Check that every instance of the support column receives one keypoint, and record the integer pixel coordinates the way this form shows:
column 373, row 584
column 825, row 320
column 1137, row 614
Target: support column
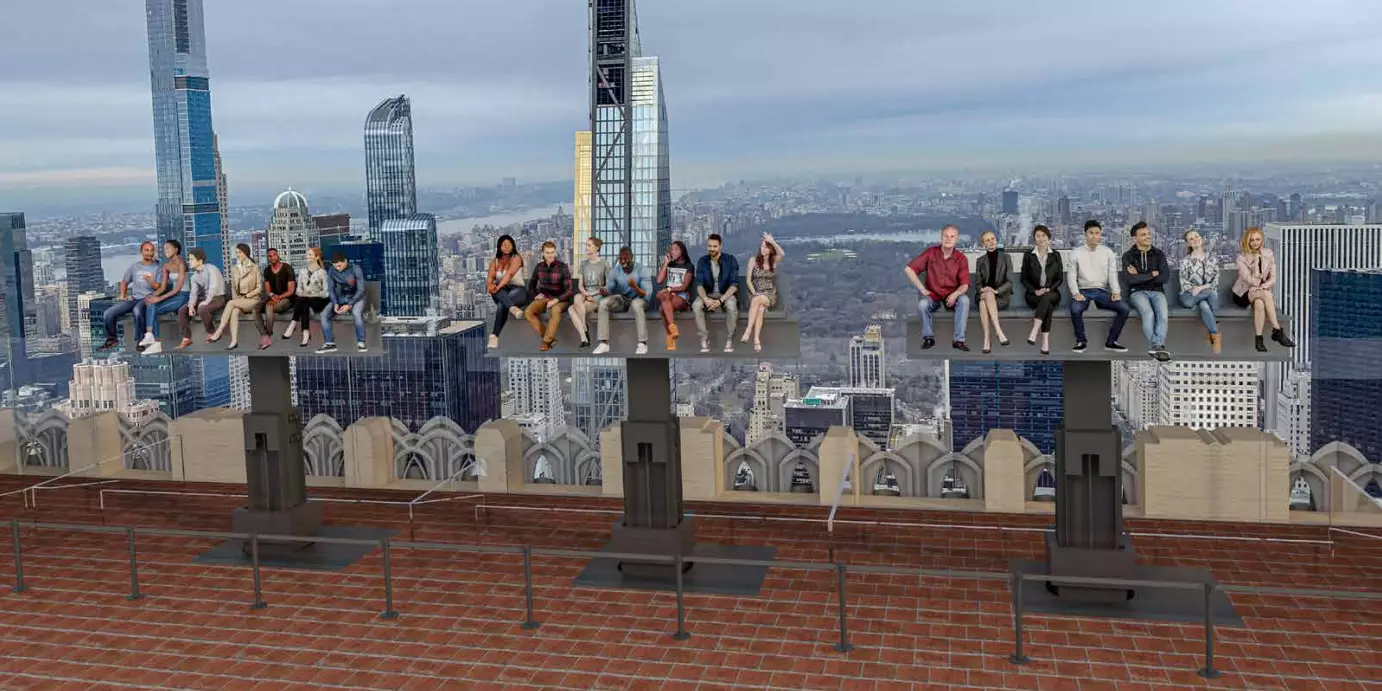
column 1089, row 538
column 654, row 517
column 274, row 470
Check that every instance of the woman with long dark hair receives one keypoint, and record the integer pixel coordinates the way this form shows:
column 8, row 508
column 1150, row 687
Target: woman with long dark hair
column 505, row 283
column 675, row 296
column 246, row 285
column 169, row 296
column 762, row 287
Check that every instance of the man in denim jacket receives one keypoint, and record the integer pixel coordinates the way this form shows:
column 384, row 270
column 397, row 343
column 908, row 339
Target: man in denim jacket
column 717, row 282
column 345, row 287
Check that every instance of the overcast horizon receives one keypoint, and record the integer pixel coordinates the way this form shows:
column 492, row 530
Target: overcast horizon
column 752, row 91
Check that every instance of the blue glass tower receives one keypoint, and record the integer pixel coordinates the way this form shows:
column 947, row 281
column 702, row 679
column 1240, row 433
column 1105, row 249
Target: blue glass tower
column 1024, row 397
column 429, row 369
column 410, row 265
column 1346, row 375
column 184, row 143
column 390, row 180
column 368, row 255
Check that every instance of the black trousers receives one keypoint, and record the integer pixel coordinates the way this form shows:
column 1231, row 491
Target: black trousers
column 303, row 309
column 506, row 297
column 1044, row 306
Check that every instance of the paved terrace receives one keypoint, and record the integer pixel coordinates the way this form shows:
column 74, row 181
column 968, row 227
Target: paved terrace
column 460, row 615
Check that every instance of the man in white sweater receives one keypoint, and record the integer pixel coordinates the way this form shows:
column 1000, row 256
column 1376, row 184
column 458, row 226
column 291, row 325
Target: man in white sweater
column 1092, row 278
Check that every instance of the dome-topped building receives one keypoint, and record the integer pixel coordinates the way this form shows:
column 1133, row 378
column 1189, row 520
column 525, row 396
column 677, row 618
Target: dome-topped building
column 292, row 231
column 291, row 199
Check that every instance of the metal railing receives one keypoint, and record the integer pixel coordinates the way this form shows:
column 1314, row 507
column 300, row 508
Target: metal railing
column 677, row 562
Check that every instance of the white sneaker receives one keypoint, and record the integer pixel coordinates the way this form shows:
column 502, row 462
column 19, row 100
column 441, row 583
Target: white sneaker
column 148, row 339
column 361, row 346
column 493, row 342
column 600, row 349
column 729, row 346
column 517, row 313
column 705, row 345
column 154, row 349
column 642, row 349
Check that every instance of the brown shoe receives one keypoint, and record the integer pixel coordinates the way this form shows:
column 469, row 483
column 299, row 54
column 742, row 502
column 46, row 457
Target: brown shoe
column 186, row 342
column 1217, row 342
column 671, row 342
column 673, row 331
column 546, row 345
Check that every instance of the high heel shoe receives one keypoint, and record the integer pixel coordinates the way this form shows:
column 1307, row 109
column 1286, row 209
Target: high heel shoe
column 1004, row 342
column 757, row 347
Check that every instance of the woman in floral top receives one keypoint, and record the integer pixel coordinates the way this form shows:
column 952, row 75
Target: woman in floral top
column 1199, row 285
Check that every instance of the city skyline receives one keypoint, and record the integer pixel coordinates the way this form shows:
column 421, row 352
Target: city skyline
column 1211, row 90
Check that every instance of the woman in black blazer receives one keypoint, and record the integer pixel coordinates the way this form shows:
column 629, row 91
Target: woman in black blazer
column 1042, row 275
column 995, row 286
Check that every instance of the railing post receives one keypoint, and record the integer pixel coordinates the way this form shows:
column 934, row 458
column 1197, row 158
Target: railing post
column 681, row 633
column 389, row 612
column 18, row 557
column 254, row 565
column 134, row 566
column 530, row 623
column 844, row 645
column 1209, row 672
column 1017, row 657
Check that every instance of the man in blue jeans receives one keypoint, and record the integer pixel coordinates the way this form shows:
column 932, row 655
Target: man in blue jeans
column 138, row 283
column 941, row 276
column 345, row 287
column 1092, row 278
column 1146, row 270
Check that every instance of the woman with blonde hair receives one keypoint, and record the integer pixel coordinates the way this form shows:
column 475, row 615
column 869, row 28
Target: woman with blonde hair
column 312, row 296
column 995, row 287
column 1253, row 288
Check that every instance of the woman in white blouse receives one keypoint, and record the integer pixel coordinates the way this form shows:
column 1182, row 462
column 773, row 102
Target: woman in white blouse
column 311, row 294
column 1199, row 285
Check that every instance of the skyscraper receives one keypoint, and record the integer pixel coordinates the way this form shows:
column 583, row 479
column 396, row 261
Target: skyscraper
column 410, row 265
column 331, row 225
column 866, row 361
column 431, row 368
column 184, row 142
column 1025, row 397
column 291, row 230
column 1010, row 202
column 1208, row 395
column 18, row 277
column 390, row 180
column 1301, row 248
column 1346, row 382
column 630, row 179
column 82, row 258
column 770, row 395
column 535, row 387
column 580, row 220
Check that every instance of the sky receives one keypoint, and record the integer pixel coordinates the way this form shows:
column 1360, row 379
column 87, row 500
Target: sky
column 753, row 87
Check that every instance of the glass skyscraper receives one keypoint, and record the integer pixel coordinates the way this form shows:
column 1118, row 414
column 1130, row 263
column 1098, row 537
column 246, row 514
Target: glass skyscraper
column 390, row 181
column 82, row 258
column 1346, row 381
column 1025, row 397
column 410, row 264
column 184, row 143
column 430, row 369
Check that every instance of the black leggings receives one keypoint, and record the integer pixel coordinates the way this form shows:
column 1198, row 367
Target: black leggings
column 1044, row 305
column 304, row 307
column 506, row 297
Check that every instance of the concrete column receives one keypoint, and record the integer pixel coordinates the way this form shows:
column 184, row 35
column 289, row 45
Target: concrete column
column 1004, row 482
column 203, row 441
column 702, row 458
column 611, row 460
column 95, row 441
column 368, row 449
column 839, row 447
column 500, row 444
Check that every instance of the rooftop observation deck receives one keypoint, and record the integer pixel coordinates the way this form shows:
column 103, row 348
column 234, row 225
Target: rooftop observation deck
column 1186, row 333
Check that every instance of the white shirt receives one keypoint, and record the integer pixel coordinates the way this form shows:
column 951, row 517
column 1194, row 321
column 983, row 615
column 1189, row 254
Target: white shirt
column 1093, row 269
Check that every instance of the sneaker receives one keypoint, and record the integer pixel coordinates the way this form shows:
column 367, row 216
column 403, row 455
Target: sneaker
column 148, row 339
column 154, row 349
column 517, row 313
column 600, row 349
column 1115, row 346
column 327, row 348
column 360, row 346
column 928, row 343
column 110, row 343
column 642, row 349
column 493, row 342
column 1162, row 355
column 1079, row 347
column 705, row 344
column 960, row 345
column 729, row 345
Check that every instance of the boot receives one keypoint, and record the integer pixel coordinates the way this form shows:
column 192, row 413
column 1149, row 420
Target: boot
column 1216, row 342
column 1261, row 347
column 1279, row 336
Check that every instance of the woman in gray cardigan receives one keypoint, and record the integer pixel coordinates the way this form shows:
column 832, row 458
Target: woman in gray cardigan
column 995, row 287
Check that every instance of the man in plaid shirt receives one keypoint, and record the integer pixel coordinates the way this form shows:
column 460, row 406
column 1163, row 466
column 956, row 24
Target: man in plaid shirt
column 551, row 288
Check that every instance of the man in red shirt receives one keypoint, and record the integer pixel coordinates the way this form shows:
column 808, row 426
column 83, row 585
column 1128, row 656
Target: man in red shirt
column 945, row 282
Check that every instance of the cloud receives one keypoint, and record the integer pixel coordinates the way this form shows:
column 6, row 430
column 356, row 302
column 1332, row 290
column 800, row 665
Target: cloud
column 498, row 88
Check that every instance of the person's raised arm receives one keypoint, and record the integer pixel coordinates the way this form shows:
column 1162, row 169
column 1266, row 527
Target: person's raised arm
column 781, row 253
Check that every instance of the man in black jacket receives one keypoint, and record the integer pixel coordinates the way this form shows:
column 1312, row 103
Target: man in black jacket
column 1146, row 271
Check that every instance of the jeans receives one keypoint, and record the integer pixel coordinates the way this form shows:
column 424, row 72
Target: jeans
column 505, row 298
column 357, row 313
column 116, row 312
column 926, row 306
column 1151, row 308
column 169, row 304
column 1101, row 299
column 1206, row 304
